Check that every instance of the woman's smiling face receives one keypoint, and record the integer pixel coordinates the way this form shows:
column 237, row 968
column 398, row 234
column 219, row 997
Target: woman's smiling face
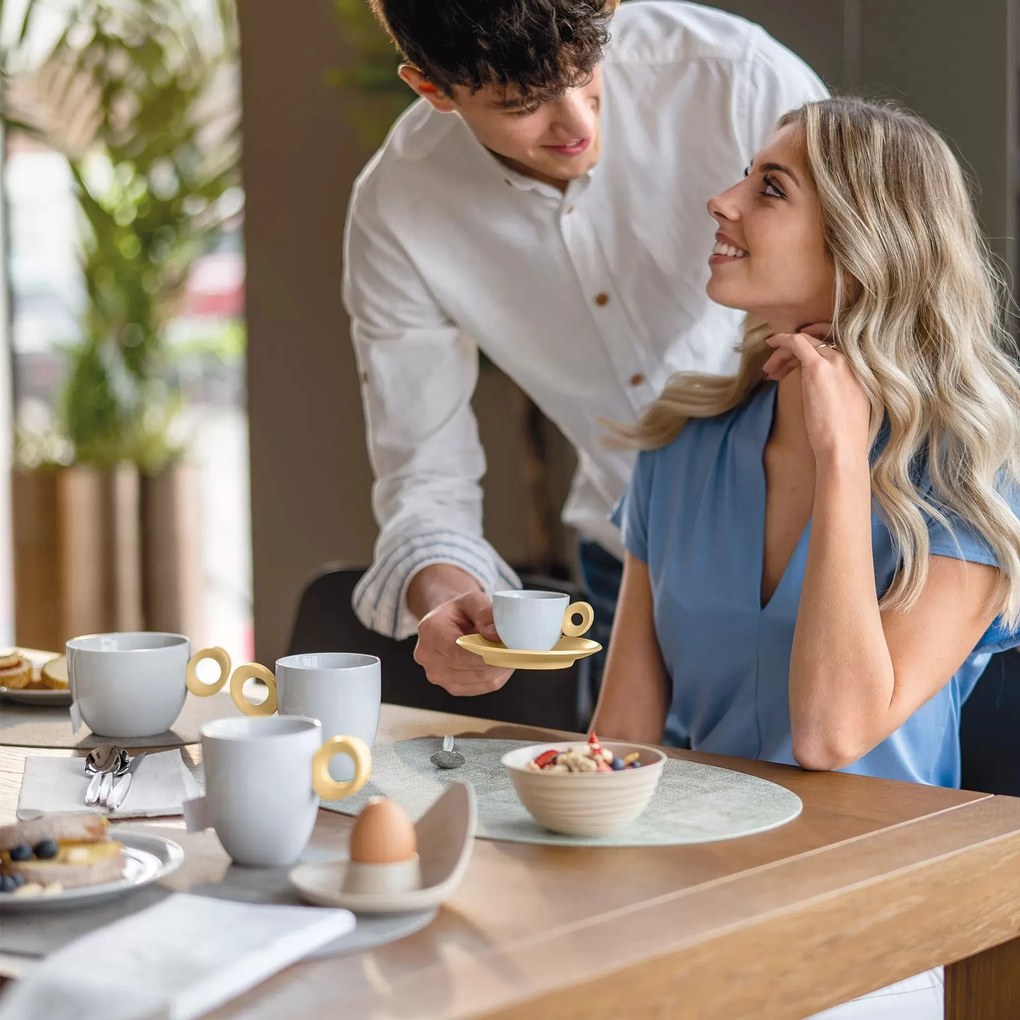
column 770, row 256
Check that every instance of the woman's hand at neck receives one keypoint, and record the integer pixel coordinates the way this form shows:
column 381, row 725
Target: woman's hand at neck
column 820, row 395
column 789, row 430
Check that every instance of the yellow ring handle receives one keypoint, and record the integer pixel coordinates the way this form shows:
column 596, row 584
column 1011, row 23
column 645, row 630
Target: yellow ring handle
column 324, row 784
column 237, row 681
column 572, row 629
column 199, row 687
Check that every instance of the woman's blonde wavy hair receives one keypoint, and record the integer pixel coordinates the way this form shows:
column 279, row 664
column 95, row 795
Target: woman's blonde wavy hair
column 918, row 315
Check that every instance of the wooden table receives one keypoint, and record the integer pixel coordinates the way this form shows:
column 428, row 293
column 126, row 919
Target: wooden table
column 875, row 881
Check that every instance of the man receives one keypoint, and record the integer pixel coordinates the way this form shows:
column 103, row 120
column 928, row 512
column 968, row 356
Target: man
column 544, row 202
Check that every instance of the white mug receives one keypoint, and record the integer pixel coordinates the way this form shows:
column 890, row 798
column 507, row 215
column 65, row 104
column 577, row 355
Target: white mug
column 263, row 781
column 536, row 620
column 343, row 690
column 133, row 684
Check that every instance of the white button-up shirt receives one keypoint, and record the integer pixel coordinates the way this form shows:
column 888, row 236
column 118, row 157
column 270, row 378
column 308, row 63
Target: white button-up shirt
column 589, row 299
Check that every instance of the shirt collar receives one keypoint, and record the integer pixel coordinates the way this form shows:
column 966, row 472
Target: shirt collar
column 494, row 168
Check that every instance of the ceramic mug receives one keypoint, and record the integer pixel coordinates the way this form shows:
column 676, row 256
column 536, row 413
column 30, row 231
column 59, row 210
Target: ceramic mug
column 343, row 690
column 133, row 684
column 536, row 620
column 263, row 781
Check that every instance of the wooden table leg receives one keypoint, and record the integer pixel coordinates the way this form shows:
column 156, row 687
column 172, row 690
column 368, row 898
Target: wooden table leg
column 985, row 986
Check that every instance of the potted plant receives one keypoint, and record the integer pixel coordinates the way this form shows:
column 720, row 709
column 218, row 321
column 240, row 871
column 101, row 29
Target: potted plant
column 135, row 94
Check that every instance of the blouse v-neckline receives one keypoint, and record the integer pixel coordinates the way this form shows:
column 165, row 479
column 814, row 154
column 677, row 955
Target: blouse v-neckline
column 761, row 479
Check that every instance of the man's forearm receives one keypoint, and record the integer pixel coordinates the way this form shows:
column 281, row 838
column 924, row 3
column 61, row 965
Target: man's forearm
column 435, row 584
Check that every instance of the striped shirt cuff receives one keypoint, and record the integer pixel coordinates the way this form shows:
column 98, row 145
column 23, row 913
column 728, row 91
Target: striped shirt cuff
column 380, row 598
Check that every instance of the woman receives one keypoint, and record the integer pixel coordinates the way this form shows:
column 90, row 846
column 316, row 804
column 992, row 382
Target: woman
column 823, row 552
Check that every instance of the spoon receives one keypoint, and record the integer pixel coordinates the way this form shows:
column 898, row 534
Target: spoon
column 447, row 758
column 106, row 792
column 102, row 761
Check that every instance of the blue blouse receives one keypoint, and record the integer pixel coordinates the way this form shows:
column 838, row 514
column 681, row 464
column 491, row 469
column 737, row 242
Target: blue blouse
column 695, row 514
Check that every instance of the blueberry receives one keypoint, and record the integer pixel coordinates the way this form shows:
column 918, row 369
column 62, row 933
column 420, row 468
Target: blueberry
column 618, row 764
column 7, row 883
column 21, row 852
column 635, row 764
column 18, row 880
column 46, row 849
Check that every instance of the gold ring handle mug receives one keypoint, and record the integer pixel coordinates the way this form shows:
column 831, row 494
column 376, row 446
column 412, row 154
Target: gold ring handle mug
column 324, row 784
column 587, row 614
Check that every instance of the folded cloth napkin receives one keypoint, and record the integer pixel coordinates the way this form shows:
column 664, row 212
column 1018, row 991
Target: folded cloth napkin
column 175, row 960
column 158, row 787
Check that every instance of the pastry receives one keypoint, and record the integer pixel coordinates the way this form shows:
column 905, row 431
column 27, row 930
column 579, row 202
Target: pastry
column 15, row 671
column 53, row 676
column 64, row 851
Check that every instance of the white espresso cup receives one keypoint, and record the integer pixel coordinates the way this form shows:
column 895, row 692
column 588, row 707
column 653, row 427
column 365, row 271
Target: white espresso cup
column 343, row 690
column 536, row 620
column 133, row 684
column 263, row 781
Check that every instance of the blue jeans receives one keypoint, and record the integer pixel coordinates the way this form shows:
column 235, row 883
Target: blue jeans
column 601, row 573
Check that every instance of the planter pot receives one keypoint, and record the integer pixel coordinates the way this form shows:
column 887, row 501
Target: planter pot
column 171, row 551
column 77, row 553
column 105, row 550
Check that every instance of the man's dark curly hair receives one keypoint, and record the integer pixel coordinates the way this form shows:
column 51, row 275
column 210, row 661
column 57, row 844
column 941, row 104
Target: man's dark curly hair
column 532, row 49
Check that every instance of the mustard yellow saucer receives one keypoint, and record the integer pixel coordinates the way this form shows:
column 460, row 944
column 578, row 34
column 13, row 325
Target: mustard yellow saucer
column 494, row 653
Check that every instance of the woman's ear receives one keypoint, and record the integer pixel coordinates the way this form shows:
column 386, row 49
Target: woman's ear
column 418, row 83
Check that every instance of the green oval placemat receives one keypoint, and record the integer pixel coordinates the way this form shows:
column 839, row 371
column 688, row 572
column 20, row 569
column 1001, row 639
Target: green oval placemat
column 694, row 803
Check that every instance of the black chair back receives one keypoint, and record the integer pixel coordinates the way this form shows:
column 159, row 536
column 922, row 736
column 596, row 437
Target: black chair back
column 326, row 622
column 990, row 728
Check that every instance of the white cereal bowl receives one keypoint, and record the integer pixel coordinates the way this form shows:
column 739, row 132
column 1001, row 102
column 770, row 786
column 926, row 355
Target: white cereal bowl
column 585, row 803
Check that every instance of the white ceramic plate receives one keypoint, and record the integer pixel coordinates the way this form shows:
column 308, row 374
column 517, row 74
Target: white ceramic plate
column 54, row 698
column 445, row 836
column 147, row 859
column 494, row 653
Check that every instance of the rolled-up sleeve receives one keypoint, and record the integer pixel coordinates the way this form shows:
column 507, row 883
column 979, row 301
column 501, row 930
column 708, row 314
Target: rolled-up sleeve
column 418, row 373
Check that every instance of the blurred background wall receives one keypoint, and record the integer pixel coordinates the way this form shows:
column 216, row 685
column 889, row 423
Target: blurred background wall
column 6, row 441
column 952, row 62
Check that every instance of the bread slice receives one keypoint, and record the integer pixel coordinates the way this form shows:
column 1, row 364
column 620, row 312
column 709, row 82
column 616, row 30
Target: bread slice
column 54, row 674
column 8, row 658
column 70, row 827
column 76, row 864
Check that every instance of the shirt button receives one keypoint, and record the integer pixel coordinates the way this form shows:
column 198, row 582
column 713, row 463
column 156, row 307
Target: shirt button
column 636, row 379
column 602, row 299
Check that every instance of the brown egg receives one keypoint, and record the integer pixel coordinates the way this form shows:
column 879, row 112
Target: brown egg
column 382, row 834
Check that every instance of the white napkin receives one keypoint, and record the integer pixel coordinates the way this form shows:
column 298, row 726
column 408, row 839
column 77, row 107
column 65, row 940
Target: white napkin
column 175, row 960
column 158, row 787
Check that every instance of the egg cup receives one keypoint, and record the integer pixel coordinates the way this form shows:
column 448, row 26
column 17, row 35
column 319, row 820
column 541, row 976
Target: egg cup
column 390, row 878
column 444, row 836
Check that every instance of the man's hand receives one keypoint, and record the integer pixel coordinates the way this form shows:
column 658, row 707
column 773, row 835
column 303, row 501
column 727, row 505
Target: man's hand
column 447, row 664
